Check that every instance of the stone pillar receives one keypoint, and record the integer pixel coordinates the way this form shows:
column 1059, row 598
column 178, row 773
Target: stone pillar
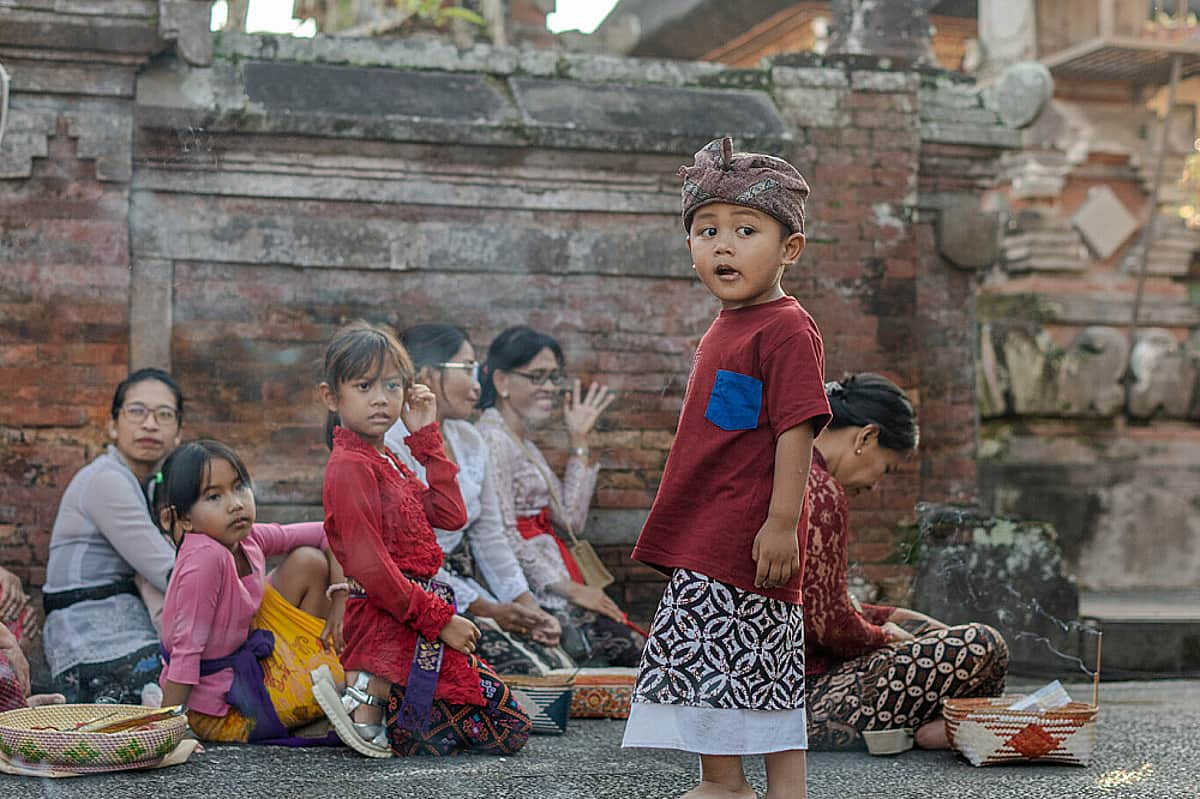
column 884, row 29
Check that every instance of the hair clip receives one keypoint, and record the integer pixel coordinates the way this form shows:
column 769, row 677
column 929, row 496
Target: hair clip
column 158, row 478
column 834, row 389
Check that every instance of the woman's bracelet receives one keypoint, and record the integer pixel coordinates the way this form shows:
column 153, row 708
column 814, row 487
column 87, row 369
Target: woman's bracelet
column 335, row 587
column 582, row 452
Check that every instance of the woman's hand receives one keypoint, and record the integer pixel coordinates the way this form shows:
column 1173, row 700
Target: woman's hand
column 420, row 407
column 547, row 631
column 893, row 633
column 16, row 658
column 511, row 616
column 580, row 415
column 460, row 634
column 904, row 615
column 586, row 596
column 332, row 634
column 776, row 550
column 12, row 596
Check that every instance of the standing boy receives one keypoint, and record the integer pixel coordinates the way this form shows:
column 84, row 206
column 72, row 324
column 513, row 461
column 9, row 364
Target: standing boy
column 723, row 672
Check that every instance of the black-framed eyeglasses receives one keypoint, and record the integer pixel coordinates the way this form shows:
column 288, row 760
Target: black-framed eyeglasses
column 470, row 367
column 556, row 376
column 137, row 413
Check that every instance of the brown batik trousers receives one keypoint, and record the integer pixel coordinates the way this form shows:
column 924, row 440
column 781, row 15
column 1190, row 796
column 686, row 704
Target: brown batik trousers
column 903, row 684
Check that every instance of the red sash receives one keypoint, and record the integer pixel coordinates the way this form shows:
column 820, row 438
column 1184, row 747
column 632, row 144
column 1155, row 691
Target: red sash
column 533, row 526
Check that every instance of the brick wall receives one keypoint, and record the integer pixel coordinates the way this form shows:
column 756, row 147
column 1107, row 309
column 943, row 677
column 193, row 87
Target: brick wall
column 259, row 220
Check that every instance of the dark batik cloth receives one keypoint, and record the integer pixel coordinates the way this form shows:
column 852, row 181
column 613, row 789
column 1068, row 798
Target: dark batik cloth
column 118, row 681
column 499, row 727
column 509, row 653
column 604, row 642
column 903, row 684
column 718, row 646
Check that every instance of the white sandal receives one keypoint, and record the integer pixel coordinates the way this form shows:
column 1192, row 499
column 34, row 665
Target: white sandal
column 366, row 739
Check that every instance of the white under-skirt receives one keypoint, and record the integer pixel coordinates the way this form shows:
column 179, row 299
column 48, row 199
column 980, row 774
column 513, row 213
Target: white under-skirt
column 715, row 731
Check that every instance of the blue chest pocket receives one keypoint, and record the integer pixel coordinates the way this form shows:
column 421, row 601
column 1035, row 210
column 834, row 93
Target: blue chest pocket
column 735, row 402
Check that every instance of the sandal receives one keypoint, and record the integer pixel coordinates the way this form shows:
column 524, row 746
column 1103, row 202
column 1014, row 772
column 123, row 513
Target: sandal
column 366, row 739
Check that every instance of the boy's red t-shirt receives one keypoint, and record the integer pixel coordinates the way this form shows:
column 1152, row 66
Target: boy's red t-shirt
column 758, row 372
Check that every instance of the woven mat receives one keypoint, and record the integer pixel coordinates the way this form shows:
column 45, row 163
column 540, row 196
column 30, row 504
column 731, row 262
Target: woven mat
column 178, row 755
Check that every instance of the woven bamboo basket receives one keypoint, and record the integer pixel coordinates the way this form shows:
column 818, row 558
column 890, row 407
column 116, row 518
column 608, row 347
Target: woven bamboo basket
column 601, row 693
column 987, row 733
column 46, row 736
column 547, row 699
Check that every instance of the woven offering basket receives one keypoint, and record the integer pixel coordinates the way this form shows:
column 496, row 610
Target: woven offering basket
column 601, row 693
column 988, row 734
column 44, row 736
column 547, row 699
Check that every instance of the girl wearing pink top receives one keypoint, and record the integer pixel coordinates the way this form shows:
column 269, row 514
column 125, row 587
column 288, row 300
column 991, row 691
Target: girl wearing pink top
column 232, row 635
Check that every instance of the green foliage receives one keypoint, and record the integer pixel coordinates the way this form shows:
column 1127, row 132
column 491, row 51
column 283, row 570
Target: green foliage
column 435, row 12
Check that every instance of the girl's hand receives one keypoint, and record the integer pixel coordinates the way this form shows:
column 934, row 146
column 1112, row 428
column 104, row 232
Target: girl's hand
column 332, row 634
column 776, row 550
column 595, row 599
column 460, row 634
column 420, row 407
column 893, row 632
column 580, row 415
column 12, row 598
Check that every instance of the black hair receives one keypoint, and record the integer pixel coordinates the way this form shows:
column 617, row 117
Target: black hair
column 184, row 475
column 512, row 349
column 867, row 398
column 357, row 350
column 431, row 343
column 141, row 376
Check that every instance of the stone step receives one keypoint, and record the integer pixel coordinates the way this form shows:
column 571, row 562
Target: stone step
column 1147, row 633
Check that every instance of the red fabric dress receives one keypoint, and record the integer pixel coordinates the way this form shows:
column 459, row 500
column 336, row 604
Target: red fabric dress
column 834, row 630
column 379, row 520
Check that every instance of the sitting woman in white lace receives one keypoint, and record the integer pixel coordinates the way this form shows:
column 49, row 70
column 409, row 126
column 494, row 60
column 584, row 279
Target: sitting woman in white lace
column 518, row 637
column 522, row 382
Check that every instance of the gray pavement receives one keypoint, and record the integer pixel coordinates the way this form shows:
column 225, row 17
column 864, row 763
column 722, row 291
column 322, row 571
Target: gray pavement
column 1149, row 739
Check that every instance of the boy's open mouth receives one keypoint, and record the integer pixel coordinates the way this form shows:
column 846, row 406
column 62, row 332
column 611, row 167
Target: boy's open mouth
column 726, row 271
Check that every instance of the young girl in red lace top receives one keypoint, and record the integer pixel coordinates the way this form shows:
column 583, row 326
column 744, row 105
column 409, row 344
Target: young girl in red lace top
column 413, row 684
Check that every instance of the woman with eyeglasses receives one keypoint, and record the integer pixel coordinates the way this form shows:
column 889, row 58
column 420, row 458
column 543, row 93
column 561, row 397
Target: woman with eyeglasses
column 523, row 383
column 106, row 553
column 517, row 636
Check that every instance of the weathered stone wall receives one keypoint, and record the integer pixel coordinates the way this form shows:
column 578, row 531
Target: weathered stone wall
column 292, row 185
column 1079, row 429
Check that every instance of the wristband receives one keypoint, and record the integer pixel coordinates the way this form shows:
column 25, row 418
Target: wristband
column 331, row 590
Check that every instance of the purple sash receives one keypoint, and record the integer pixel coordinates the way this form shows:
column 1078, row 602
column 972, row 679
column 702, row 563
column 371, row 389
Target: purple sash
column 417, row 706
column 248, row 692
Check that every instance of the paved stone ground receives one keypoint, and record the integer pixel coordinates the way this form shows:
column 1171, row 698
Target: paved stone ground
column 1149, row 738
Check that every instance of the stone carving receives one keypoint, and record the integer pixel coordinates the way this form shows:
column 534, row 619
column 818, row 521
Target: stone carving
column 186, row 22
column 1104, row 221
column 1163, row 375
column 1021, row 371
column 1039, row 240
column 1021, row 93
column 25, row 140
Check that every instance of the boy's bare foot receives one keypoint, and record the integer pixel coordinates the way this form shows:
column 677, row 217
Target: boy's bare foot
column 712, row 790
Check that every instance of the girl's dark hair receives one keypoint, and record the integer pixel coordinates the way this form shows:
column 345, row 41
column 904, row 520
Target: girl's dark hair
column 866, row 398
column 359, row 350
column 185, row 473
column 512, row 349
column 141, row 376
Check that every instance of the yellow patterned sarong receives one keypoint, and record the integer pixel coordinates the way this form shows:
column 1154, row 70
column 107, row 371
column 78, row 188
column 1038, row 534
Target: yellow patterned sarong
column 298, row 651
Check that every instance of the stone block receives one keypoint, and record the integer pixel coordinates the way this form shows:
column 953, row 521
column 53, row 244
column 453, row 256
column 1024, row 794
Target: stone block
column 25, row 139
column 873, row 81
column 1003, row 572
column 107, row 138
column 810, row 77
column 347, row 91
column 1104, row 221
column 613, row 69
column 969, row 237
column 698, row 114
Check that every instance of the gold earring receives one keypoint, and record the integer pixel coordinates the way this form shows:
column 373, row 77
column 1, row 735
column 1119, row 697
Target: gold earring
column 858, row 451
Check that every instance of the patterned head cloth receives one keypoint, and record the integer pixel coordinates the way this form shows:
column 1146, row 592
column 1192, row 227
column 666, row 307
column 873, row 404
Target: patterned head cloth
column 762, row 182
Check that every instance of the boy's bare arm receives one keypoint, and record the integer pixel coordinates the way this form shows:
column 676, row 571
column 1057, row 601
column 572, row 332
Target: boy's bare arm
column 776, row 546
